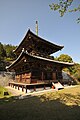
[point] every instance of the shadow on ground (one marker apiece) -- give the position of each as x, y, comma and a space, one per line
40, 108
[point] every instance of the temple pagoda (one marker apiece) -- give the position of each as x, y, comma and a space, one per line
34, 65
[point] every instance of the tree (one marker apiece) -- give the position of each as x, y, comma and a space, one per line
9, 51
63, 6
6, 55
2, 52
2, 65
64, 58
2, 56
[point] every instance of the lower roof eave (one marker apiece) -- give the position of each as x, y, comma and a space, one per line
25, 54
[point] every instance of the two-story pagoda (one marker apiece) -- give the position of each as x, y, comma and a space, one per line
34, 64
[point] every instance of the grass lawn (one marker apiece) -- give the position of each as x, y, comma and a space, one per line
2, 92
58, 105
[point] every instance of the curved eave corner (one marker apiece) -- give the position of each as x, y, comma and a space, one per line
22, 40
10, 66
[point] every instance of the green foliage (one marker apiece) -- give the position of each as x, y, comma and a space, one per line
64, 58
9, 51
77, 71
2, 52
2, 56
6, 55
74, 70
2, 90
8, 59
63, 6
2, 65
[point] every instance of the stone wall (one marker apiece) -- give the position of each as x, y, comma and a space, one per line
6, 77
69, 78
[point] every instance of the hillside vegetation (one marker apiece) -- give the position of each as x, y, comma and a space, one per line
6, 55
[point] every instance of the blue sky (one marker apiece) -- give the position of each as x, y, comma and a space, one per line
17, 16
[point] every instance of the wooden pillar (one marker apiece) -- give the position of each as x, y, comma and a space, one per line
20, 78
26, 88
34, 88
42, 77
18, 87
9, 84
22, 88
44, 86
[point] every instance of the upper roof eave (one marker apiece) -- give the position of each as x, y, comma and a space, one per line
29, 32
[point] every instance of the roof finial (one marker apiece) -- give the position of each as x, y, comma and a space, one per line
37, 28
